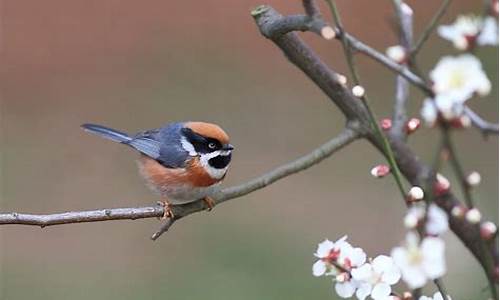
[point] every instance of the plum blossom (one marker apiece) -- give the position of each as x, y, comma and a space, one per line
327, 253
376, 278
420, 262
460, 77
334, 256
469, 30
436, 296
455, 80
437, 219
338, 259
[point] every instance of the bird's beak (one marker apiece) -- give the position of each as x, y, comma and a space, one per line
228, 147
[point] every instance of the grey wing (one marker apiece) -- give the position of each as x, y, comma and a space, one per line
162, 145
147, 143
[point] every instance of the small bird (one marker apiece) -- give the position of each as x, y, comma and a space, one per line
182, 161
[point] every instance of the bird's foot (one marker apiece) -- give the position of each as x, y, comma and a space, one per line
167, 209
209, 202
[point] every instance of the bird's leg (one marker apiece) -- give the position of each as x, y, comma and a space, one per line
167, 209
209, 202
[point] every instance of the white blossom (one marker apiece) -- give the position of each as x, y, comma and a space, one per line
420, 262
437, 219
436, 296
376, 278
467, 30
350, 258
328, 252
338, 259
455, 80
396, 53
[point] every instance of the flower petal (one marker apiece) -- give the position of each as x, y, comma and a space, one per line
324, 248
363, 291
381, 291
414, 277
362, 273
319, 268
345, 289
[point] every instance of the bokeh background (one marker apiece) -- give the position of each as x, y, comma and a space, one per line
135, 65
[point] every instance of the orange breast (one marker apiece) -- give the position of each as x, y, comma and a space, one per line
163, 178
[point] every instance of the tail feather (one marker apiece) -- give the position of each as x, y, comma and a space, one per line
107, 133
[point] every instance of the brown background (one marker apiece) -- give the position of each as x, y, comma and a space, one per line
135, 65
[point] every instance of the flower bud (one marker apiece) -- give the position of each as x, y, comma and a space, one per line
342, 79
458, 211
416, 193
396, 53
328, 33
488, 230
386, 124
412, 125
358, 91
473, 216
441, 185
380, 171
473, 179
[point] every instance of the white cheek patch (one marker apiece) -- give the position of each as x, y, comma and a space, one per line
213, 172
186, 145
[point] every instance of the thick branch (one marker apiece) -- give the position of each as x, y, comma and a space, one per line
416, 172
302, 163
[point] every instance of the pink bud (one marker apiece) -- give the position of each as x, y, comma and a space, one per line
488, 230
380, 171
441, 185
386, 124
412, 125
458, 211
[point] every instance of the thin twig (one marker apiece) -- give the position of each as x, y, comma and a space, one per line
373, 120
460, 174
486, 127
457, 167
388, 63
440, 286
430, 27
344, 138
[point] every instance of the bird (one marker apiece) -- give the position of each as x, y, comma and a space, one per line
181, 161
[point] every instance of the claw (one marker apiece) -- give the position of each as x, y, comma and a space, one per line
167, 209
209, 202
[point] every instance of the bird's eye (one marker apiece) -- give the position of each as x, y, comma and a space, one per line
212, 145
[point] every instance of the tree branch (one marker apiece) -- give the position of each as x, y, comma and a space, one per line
416, 172
347, 136
486, 127
400, 118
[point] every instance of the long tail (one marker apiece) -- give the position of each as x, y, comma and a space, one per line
107, 133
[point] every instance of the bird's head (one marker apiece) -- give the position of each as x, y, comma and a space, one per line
210, 143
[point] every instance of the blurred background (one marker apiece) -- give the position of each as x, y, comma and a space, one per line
136, 65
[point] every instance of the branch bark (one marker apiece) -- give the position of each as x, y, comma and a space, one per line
400, 118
